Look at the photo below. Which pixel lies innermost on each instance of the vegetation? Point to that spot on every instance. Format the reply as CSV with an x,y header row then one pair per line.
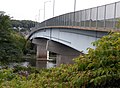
x,y
118,23
23,25
11,43
100,68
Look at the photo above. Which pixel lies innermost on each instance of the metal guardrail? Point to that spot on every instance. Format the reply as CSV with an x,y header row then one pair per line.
x,y
105,16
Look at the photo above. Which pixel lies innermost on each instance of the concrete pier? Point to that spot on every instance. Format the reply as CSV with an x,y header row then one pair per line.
x,y
64,53
41,49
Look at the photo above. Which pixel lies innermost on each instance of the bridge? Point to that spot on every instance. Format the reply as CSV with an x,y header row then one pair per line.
x,y
69,35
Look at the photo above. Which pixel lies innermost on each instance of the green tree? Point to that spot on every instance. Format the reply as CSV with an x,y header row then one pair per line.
x,y
11,43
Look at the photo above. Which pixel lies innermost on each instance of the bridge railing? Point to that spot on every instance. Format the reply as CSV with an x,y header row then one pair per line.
x,y
106,16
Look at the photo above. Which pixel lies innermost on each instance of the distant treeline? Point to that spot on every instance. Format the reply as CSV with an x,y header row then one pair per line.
x,y
23,23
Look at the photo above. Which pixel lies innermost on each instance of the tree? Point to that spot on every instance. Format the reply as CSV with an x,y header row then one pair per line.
x,y
27,24
11,43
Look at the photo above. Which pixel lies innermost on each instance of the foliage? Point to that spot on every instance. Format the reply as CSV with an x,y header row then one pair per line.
x,y
23,23
100,68
11,43
6,75
28,48
29,69
118,24
4,22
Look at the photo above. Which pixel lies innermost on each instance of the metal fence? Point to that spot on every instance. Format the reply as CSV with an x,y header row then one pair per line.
x,y
106,16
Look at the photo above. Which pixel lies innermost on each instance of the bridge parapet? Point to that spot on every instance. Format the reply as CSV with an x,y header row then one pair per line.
x,y
101,17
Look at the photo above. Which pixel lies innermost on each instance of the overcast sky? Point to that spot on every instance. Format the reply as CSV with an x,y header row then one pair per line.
x,y
29,9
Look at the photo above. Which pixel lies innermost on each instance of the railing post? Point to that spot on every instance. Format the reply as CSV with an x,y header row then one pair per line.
x,y
90,17
85,18
74,12
58,20
105,17
73,21
114,24
54,21
64,20
68,18
97,19
81,18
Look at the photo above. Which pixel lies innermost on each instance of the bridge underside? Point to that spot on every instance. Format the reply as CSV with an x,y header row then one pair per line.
x,y
64,53
66,43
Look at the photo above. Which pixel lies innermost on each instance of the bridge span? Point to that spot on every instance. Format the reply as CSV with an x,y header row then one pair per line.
x,y
67,43
69,35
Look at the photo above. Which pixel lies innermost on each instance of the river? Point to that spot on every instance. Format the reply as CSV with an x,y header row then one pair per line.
x,y
34,63
31,61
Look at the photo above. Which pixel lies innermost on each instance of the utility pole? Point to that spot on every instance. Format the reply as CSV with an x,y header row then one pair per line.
x,y
39,15
74,11
44,11
53,7
44,8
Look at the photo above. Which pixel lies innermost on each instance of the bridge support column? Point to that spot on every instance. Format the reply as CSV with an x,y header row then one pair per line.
x,y
65,54
41,48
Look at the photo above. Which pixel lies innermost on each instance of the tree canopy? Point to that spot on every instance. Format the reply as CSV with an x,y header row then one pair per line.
x,y
11,43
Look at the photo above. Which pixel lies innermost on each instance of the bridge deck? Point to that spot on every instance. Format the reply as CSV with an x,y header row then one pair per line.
x,y
85,28
77,27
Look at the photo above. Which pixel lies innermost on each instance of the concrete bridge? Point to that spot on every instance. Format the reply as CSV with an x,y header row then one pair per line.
x,y
69,35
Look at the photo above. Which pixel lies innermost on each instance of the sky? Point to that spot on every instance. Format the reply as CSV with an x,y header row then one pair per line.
x,y
34,9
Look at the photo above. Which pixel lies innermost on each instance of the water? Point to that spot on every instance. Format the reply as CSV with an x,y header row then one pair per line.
x,y
12,64
34,63
45,64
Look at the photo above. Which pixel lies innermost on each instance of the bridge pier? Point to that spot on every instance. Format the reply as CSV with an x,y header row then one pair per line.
x,y
64,53
41,49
